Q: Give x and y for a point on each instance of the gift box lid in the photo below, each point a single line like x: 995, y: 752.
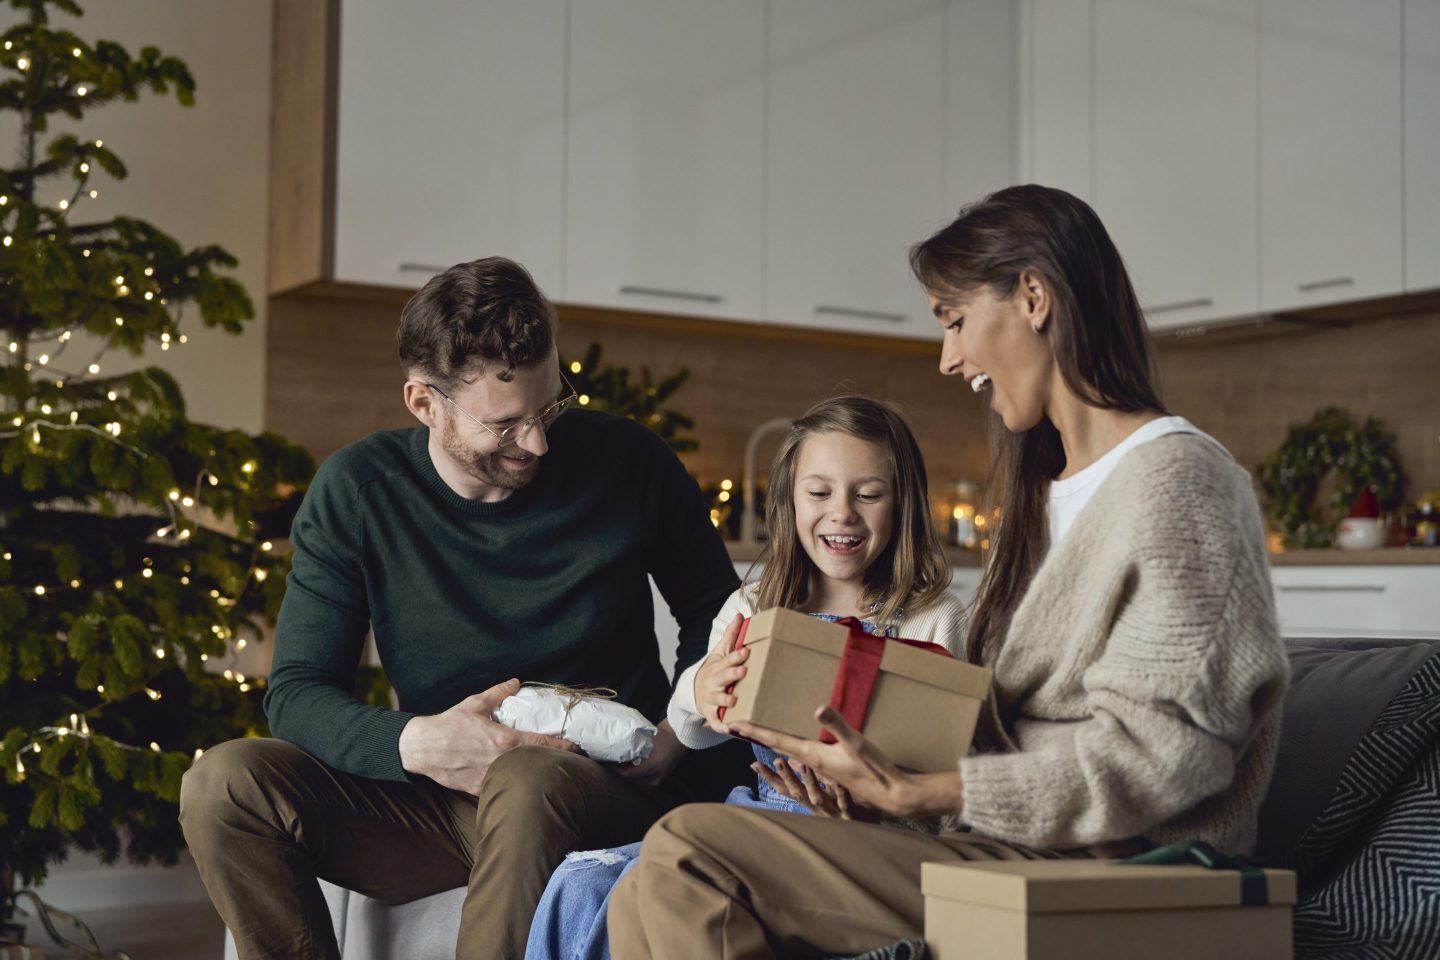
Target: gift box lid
x: 822, y: 636
x: 1075, y: 885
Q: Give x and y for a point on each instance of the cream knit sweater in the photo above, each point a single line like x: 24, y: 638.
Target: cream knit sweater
x: 1141, y: 681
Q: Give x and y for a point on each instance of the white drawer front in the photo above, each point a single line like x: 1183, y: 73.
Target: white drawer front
x: 1358, y: 601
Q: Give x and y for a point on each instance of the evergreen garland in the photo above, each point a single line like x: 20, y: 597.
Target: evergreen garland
x: 609, y: 389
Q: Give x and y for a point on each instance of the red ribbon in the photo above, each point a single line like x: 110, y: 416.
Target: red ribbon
x: 739, y: 642
x: 855, y: 678
x: 858, y: 671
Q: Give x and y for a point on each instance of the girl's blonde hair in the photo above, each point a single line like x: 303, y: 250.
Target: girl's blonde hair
x: 912, y: 571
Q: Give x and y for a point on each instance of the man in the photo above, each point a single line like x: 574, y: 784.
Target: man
x: 500, y: 541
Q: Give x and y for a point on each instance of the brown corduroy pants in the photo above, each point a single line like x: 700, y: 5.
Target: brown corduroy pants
x: 264, y: 819
x: 724, y: 882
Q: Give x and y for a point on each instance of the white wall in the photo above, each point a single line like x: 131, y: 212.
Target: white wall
x: 200, y: 174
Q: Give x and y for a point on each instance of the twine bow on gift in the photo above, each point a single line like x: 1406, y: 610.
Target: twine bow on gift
x: 573, y: 697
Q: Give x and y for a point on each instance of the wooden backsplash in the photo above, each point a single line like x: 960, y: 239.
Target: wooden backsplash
x: 1246, y: 393
x: 332, y: 377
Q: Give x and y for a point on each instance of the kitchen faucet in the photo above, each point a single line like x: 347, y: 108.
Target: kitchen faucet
x: 748, y: 496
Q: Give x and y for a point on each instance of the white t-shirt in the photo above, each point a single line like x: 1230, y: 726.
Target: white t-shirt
x: 1069, y: 496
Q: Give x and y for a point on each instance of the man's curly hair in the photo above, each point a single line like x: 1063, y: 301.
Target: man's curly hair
x: 474, y: 318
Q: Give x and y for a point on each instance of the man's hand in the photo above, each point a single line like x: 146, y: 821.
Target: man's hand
x: 456, y: 748
x: 722, y: 667
x: 665, y: 753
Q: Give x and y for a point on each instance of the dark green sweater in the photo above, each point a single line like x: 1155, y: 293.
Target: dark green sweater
x: 548, y: 584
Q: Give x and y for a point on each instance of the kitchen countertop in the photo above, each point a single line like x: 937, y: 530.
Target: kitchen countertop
x: 1407, y: 556
x: 1386, y: 556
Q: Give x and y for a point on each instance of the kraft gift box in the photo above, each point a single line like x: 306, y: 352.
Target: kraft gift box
x: 1101, y: 910
x: 922, y: 709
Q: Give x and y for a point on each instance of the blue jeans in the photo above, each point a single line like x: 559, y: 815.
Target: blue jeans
x: 569, y: 921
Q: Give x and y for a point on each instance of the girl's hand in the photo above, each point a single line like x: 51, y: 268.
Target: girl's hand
x: 857, y: 765
x: 798, y: 782
x: 721, y: 668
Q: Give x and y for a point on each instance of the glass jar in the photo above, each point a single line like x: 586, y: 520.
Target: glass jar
x: 963, y: 503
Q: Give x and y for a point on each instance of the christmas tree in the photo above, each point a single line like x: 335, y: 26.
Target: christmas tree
x: 135, y: 546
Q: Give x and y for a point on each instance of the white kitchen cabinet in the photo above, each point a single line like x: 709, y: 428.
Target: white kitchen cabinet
x: 450, y: 137
x: 1358, y: 601
x: 1330, y: 151
x: 664, y: 199
x: 856, y: 166
x: 1057, y: 90
x: 1422, y: 144
x: 981, y: 99
x: 1175, y: 153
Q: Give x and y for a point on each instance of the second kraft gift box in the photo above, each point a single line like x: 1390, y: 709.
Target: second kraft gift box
x: 1077, y: 909
x: 919, y: 706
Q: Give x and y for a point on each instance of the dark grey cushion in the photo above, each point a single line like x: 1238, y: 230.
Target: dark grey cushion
x: 1337, y: 689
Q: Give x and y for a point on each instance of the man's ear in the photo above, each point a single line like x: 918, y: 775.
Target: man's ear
x: 1036, y: 300
x: 421, y: 401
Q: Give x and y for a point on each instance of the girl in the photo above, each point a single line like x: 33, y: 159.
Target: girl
x: 851, y: 536
x: 1125, y: 609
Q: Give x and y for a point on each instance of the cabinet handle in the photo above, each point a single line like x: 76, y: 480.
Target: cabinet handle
x: 429, y: 268
x: 1182, y: 305
x: 1331, y: 588
x: 1324, y: 284
x: 861, y: 314
x: 672, y: 294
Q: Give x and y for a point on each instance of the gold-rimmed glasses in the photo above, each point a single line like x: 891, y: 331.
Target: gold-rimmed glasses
x: 505, y: 436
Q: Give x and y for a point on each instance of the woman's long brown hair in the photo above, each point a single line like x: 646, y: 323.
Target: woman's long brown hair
x: 912, y: 571
x: 1098, y: 335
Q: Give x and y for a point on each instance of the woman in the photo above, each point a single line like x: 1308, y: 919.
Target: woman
x: 1126, y: 611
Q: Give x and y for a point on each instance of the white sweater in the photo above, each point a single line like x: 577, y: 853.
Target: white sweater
x: 1142, y: 676
x: 942, y: 622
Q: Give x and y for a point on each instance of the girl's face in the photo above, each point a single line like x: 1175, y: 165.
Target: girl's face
x: 994, y: 345
x: 844, y: 502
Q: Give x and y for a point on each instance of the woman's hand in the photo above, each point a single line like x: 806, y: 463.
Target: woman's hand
x: 857, y: 765
x: 722, y: 667
x: 798, y: 782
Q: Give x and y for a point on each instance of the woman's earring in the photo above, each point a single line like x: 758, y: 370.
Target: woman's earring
x: 1036, y: 328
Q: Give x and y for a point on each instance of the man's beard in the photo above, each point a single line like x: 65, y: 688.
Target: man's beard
x: 488, y: 468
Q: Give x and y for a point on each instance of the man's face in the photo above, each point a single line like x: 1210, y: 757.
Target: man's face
x: 499, y: 404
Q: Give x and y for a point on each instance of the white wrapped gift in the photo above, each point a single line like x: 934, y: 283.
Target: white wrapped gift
x: 604, y: 729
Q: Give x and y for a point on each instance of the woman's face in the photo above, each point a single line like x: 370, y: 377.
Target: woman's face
x: 994, y: 345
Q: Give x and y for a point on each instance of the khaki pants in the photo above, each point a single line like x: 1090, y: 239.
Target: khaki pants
x: 716, y: 881
x: 264, y: 819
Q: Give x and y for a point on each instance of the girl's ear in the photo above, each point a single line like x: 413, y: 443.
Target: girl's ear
x: 1035, y: 300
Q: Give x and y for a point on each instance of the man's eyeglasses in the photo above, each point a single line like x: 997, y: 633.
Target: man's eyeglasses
x: 505, y: 436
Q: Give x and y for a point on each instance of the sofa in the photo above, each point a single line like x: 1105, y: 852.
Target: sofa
x: 1354, y: 808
